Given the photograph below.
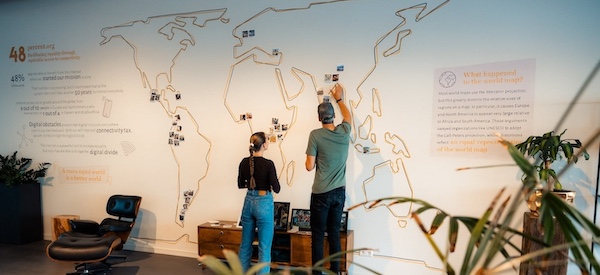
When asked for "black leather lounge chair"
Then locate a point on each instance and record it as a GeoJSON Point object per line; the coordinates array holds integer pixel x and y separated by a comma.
{"type": "Point", "coordinates": [90, 244]}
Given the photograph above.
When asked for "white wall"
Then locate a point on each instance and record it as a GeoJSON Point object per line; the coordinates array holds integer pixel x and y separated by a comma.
{"type": "Point", "coordinates": [119, 51]}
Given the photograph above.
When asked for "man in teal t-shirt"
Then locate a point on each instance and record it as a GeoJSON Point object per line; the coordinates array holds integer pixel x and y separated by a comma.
{"type": "Point", "coordinates": [327, 151]}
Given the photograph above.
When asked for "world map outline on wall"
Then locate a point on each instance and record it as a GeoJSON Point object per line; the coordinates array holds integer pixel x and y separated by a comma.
{"type": "Point", "coordinates": [369, 137]}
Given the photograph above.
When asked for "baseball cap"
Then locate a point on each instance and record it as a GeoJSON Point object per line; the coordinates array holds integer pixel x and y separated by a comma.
{"type": "Point", "coordinates": [326, 113]}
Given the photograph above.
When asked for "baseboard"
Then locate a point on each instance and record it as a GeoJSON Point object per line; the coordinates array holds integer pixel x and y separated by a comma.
{"type": "Point", "coordinates": [141, 246]}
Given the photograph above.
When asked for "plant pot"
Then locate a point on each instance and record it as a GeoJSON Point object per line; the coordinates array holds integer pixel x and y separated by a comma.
{"type": "Point", "coordinates": [567, 195]}
{"type": "Point", "coordinates": [21, 213]}
{"type": "Point", "coordinates": [534, 200]}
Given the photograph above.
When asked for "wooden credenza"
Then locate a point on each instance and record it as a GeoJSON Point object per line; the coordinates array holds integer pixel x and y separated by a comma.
{"type": "Point", "coordinates": [289, 247]}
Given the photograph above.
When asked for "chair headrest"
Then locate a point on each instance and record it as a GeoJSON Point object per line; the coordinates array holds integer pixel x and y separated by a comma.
{"type": "Point", "coordinates": [123, 206]}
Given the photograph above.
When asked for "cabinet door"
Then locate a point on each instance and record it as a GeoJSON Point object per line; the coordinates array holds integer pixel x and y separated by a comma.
{"type": "Point", "coordinates": [280, 251]}
{"type": "Point", "coordinates": [300, 250]}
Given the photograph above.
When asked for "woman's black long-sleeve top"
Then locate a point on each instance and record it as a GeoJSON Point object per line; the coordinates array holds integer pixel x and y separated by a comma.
{"type": "Point", "coordinates": [265, 175]}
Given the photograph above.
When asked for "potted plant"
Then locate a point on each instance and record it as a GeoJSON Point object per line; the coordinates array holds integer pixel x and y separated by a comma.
{"type": "Point", "coordinates": [546, 149]}
{"type": "Point", "coordinates": [492, 247]}
{"type": "Point", "coordinates": [20, 199]}
{"type": "Point", "coordinates": [16, 171]}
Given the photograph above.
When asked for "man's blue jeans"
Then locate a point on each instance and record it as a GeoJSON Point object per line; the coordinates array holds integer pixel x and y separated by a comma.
{"type": "Point", "coordinates": [257, 213]}
{"type": "Point", "coordinates": [325, 216]}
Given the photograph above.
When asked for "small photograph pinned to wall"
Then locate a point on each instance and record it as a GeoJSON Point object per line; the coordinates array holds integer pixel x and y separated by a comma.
{"type": "Point", "coordinates": [275, 121]}
{"type": "Point", "coordinates": [188, 193]}
{"type": "Point", "coordinates": [245, 34]}
{"type": "Point", "coordinates": [284, 127]}
{"type": "Point", "coordinates": [327, 78]}
{"type": "Point", "coordinates": [248, 115]}
{"type": "Point", "coordinates": [243, 117]}
{"type": "Point", "coordinates": [182, 211]}
{"type": "Point", "coordinates": [272, 138]}
{"type": "Point", "coordinates": [367, 150]}
{"type": "Point", "coordinates": [251, 33]}
{"type": "Point", "coordinates": [277, 127]}
{"type": "Point", "coordinates": [275, 51]}
{"type": "Point", "coordinates": [280, 137]}
{"type": "Point", "coordinates": [178, 96]}
{"type": "Point", "coordinates": [320, 91]}
{"type": "Point", "coordinates": [340, 68]}
{"type": "Point", "coordinates": [335, 77]}
{"type": "Point", "coordinates": [154, 96]}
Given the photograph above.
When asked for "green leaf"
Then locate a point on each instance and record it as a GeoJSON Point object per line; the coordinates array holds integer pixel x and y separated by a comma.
{"type": "Point", "coordinates": [557, 184]}
{"type": "Point", "coordinates": [214, 264]}
{"type": "Point", "coordinates": [336, 257]}
{"type": "Point", "coordinates": [519, 159]}
{"type": "Point", "coordinates": [453, 233]}
{"type": "Point", "coordinates": [567, 150]}
{"type": "Point", "coordinates": [255, 268]}
{"type": "Point", "coordinates": [234, 261]}
{"type": "Point", "coordinates": [437, 222]}
{"type": "Point", "coordinates": [470, 260]}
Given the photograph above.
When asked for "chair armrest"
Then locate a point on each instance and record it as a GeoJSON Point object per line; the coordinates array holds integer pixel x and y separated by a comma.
{"type": "Point", "coordinates": [84, 226]}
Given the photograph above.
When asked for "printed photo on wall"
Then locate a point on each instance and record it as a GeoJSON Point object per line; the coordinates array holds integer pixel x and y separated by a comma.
{"type": "Point", "coordinates": [282, 214]}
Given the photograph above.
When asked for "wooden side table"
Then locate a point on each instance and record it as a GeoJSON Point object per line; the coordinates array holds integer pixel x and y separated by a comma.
{"type": "Point", "coordinates": [559, 260]}
{"type": "Point", "coordinates": [60, 224]}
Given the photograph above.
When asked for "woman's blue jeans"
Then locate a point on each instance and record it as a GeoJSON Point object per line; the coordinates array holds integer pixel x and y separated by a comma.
{"type": "Point", "coordinates": [257, 213]}
{"type": "Point", "coordinates": [326, 216]}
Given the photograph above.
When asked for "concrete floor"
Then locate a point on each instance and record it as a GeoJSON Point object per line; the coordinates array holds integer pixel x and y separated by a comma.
{"type": "Point", "coordinates": [32, 259]}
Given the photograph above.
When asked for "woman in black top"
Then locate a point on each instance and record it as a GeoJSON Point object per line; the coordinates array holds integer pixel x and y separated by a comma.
{"type": "Point", "coordinates": [258, 175]}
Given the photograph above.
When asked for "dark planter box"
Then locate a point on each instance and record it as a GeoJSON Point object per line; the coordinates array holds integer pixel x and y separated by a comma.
{"type": "Point", "coordinates": [21, 214]}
